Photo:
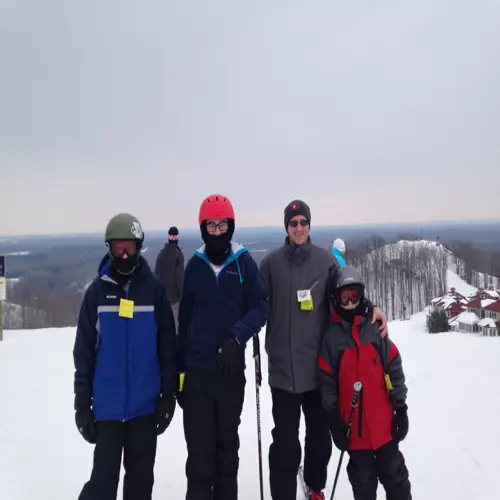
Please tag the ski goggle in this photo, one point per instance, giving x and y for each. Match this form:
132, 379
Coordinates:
295, 223
121, 247
349, 295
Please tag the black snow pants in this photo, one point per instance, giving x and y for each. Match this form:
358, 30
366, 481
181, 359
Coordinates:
212, 407
387, 464
137, 440
285, 452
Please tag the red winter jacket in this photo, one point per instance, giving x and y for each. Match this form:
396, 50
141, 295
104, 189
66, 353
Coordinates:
357, 352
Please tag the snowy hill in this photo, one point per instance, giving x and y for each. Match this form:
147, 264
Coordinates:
403, 277
451, 453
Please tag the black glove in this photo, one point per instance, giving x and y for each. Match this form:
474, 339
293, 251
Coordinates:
84, 418
400, 423
165, 412
338, 430
228, 356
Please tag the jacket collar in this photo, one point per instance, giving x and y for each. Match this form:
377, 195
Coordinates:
297, 254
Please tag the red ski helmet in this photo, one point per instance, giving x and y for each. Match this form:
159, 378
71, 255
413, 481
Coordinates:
216, 206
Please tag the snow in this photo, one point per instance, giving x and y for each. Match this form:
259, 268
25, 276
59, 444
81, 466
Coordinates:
451, 449
487, 302
487, 322
468, 318
461, 286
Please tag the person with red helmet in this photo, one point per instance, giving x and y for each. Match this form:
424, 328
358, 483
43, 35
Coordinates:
222, 306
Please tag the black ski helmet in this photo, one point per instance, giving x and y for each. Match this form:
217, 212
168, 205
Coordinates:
349, 276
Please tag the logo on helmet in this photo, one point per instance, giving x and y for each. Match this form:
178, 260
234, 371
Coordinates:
136, 230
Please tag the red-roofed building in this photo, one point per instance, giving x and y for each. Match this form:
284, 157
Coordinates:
487, 310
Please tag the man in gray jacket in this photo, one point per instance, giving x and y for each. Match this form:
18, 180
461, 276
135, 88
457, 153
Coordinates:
170, 268
298, 279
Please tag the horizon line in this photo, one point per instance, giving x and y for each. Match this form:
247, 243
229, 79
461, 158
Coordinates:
260, 226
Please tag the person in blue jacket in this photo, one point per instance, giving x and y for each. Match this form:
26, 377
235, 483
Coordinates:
125, 372
338, 250
223, 305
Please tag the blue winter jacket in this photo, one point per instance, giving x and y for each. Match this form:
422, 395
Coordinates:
124, 364
214, 307
338, 255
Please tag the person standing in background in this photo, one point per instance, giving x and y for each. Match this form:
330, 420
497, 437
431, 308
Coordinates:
170, 268
338, 251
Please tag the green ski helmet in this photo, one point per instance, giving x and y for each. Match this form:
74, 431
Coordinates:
121, 229
124, 227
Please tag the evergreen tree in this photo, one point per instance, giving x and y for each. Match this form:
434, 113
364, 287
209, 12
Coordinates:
437, 321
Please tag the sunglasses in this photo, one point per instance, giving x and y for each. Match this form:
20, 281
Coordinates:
349, 295
122, 247
295, 223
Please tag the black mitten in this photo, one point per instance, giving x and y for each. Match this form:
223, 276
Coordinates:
84, 418
400, 423
165, 412
338, 430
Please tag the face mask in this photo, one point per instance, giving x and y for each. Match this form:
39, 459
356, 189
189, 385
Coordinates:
124, 266
218, 247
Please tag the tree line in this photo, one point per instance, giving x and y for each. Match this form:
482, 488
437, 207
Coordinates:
401, 278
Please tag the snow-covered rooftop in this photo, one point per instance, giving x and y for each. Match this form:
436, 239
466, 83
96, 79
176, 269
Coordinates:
468, 318
487, 322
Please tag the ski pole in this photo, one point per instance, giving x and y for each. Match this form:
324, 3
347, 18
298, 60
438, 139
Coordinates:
258, 382
357, 389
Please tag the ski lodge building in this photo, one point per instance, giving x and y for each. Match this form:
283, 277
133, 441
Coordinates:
479, 313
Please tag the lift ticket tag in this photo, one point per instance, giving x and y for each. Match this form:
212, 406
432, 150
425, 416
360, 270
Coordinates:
126, 308
305, 299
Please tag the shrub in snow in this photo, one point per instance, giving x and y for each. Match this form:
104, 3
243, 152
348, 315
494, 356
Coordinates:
437, 321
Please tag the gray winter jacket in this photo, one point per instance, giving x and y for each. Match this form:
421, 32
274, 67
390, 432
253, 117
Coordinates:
170, 268
294, 335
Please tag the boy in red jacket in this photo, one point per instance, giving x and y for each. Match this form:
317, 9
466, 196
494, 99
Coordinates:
353, 351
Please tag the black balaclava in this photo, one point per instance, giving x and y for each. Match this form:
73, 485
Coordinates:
349, 314
123, 269
218, 247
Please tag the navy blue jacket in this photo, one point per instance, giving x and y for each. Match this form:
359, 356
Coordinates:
214, 307
124, 364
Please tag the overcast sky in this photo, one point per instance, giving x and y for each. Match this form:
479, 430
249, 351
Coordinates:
369, 111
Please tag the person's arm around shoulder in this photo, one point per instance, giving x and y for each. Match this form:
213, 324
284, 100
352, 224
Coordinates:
377, 317
165, 326
396, 385
84, 358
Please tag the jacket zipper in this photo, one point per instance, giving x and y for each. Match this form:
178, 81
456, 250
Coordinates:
127, 382
292, 305
360, 414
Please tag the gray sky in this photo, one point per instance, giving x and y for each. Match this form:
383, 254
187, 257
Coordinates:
369, 111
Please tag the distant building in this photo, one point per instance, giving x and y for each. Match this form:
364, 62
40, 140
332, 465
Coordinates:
479, 313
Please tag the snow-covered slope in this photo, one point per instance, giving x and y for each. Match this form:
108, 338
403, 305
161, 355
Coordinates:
451, 449
461, 286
